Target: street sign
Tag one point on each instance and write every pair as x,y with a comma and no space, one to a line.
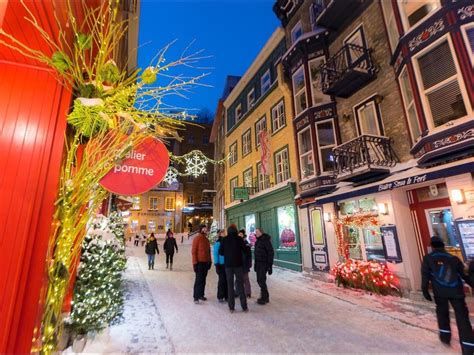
241,193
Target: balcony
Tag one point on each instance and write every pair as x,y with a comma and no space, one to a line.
333,13
366,158
347,71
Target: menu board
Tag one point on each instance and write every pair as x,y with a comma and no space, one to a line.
391,247
465,228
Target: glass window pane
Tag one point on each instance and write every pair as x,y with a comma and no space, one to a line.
437,65
368,119
307,165
305,141
298,80
327,158
415,11
373,244
287,227
325,133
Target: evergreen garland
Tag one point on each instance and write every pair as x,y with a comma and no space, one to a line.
212,235
98,296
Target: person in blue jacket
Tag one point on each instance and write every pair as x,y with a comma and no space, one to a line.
220,268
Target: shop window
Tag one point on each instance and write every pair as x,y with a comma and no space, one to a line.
233,153
233,184
468,33
409,102
440,84
134,226
246,143
326,140
363,205
413,12
250,99
261,125
265,82
364,243
238,113
151,226
263,180
282,166
278,117
248,178
153,203
441,224
305,147
136,203
250,229
169,204
296,32
315,72
286,227
299,91
392,30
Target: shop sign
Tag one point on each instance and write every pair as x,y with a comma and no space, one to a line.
241,193
143,168
391,246
403,182
154,214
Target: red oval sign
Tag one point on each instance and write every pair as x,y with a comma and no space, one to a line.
142,169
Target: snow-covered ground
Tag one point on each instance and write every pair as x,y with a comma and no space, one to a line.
304,315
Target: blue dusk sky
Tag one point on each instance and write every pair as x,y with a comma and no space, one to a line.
231,32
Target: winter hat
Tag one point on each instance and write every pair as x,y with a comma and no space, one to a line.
436,242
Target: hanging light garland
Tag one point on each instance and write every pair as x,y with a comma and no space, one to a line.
195,163
171,176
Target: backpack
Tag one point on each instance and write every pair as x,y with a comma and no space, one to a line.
443,266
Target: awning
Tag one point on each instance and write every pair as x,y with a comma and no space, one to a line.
409,177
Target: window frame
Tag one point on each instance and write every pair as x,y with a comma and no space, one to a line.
251,177
251,104
247,133
138,203
470,51
150,203
263,182
262,82
296,27
257,131
407,106
326,98
320,156
297,94
190,197
406,26
237,117
378,116
390,21
275,155
173,205
236,179
423,92
233,161
311,151
275,107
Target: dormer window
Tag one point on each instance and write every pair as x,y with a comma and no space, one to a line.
265,82
250,99
238,113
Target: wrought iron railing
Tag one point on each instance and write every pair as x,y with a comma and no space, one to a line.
365,151
350,57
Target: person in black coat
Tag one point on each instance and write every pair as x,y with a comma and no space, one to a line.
445,272
169,246
263,263
151,247
233,248
247,264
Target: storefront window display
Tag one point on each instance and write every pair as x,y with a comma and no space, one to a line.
287,227
250,229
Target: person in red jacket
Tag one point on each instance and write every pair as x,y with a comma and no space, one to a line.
201,253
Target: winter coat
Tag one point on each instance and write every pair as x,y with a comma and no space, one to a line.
151,246
247,261
263,251
218,259
170,245
201,250
233,248
437,268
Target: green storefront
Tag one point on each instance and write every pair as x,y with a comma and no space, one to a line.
276,213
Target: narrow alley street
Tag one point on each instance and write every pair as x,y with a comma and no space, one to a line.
304,315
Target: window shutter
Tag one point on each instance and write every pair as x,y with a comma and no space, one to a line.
437,65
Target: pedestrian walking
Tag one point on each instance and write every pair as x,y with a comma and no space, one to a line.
247,265
169,246
144,238
137,240
233,248
150,248
220,268
445,272
263,263
201,255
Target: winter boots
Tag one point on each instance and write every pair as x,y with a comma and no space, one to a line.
167,265
171,267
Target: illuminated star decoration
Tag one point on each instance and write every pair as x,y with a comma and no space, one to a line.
171,176
195,165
